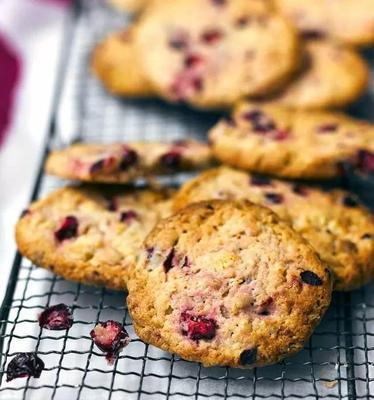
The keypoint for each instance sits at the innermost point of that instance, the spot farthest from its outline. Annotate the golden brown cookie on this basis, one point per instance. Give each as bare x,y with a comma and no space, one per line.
275,140
116,64
122,163
227,283
332,75
351,21
337,226
92,236
210,53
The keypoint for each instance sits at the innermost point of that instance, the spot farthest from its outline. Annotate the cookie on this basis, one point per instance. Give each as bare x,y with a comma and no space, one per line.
90,236
349,21
326,79
227,283
337,226
210,53
121,163
115,63
275,140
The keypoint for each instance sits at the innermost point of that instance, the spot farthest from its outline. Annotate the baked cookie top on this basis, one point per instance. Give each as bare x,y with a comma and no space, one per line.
210,53
116,64
92,236
227,283
338,227
275,140
326,79
125,162
132,6
350,21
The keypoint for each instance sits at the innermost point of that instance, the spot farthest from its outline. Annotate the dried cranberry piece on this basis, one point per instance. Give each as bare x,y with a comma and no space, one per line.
129,158
311,278
112,204
300,190
110,337
327,128
128,216
179,40
149,252
260,180
168,263
197,327
312,34
68,229
242,21
56,318
365,161
349,201
24,365
219,2
171,160
211,36
259,120
97,166
192,60
266,307
248,357
274,198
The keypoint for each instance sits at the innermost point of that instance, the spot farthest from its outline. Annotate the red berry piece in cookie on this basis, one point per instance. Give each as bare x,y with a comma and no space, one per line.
197,327
56,318
24,365
365,161
111,338
68,229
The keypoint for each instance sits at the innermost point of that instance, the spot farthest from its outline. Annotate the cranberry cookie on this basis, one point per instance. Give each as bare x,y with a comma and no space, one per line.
87,235
351,21
121,163
337,226
227,283
326,79
116,65
275,140
210,53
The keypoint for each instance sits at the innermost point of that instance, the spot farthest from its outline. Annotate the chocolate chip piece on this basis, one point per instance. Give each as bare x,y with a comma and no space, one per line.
248,357
300,190
366,236
311,278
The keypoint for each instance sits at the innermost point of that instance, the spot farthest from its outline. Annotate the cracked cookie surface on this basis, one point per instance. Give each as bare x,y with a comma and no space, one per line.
227,283
338,227
90,236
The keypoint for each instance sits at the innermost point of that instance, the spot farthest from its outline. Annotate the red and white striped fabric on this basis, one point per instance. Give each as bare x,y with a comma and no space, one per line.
30,35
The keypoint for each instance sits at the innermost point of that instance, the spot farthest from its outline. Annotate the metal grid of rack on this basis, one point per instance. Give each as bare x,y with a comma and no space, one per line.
337,363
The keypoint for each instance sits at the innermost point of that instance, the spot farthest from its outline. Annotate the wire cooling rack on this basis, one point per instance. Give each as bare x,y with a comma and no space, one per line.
337,362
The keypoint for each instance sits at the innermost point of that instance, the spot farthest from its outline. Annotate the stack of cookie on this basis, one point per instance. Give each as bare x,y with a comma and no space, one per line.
233,268
212,53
